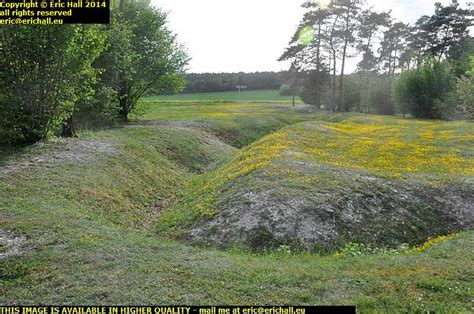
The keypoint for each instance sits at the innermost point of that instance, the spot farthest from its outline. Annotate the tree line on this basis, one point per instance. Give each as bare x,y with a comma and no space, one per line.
53,78
224,82
424,69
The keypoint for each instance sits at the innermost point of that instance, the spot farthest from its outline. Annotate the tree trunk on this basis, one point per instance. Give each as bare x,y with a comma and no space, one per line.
123,100
341,80
318,66
334,83
69,129
122,8
394,68
343,66
362,91
365,81
334,68
122,93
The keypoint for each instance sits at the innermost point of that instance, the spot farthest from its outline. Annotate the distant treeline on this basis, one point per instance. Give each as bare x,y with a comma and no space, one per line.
224,82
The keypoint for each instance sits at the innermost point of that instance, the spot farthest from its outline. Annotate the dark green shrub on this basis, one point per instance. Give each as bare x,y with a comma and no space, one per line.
380,96
352,95
419,91
313,85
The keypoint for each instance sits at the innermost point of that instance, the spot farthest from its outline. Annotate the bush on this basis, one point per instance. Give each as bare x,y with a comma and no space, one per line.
352,94
47,73
313,85
465,97
285,90
97,111
419,91
20,123
460,103
380,96
471,65
365,92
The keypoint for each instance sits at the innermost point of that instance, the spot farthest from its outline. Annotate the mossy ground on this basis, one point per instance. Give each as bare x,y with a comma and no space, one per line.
90,239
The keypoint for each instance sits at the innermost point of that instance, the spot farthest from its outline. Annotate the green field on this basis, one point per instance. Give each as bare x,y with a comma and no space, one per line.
82,216
245,96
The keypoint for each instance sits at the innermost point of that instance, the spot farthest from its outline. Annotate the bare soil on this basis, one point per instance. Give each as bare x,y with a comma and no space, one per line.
74,151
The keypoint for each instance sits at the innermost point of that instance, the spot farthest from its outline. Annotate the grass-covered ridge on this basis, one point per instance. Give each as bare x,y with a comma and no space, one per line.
85,227
395,147
320,184
237,124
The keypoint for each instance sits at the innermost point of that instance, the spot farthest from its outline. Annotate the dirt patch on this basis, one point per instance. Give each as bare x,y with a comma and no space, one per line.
74,151
332,207
155,211
11,244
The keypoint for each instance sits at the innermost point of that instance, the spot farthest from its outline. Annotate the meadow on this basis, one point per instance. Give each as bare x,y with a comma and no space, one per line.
82,216
245,96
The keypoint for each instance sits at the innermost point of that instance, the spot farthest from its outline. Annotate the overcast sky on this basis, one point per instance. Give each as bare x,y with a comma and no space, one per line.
250,35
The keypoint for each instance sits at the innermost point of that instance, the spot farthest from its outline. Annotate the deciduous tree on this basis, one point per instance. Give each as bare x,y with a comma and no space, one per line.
46,72
143,56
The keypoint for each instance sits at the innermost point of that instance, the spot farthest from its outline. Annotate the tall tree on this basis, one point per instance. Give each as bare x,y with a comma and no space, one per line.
447,28
306,50
417,44
334,44
370,25
393,46
350,10
143,55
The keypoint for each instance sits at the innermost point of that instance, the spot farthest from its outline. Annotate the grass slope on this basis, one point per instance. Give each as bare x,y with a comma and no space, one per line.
366,179
237,124
86,229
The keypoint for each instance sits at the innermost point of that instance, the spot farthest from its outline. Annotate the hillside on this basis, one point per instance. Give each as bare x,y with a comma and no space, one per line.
323,184
80,217
168,154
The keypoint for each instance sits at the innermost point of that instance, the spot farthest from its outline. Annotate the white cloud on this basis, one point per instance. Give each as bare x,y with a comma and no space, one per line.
233,35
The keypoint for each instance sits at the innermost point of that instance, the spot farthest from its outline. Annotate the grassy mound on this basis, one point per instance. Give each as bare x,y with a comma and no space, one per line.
125,176
191,146
237,124
70,213
321,185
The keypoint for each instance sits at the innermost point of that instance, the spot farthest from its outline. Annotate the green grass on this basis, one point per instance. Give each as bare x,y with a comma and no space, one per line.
90,240
332,155
245,96
238,124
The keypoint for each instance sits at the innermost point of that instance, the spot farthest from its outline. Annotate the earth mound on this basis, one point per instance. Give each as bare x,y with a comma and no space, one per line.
320,185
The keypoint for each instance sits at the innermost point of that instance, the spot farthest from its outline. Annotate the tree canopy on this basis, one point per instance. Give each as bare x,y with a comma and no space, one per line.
51,75
328,35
